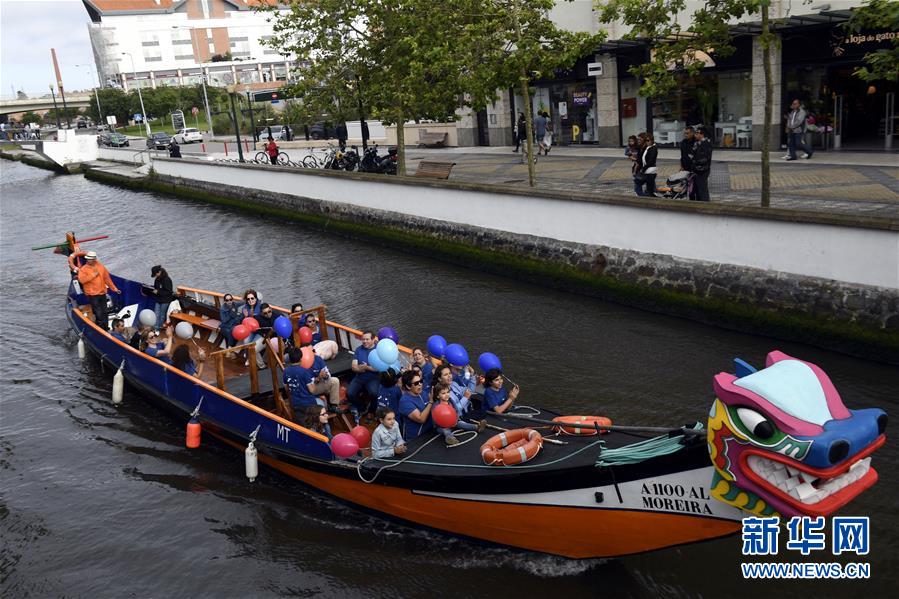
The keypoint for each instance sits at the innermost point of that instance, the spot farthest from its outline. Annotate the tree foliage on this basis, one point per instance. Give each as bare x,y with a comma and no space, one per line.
879,15
30,117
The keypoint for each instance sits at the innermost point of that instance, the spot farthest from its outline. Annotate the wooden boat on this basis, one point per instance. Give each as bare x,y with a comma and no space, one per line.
581,497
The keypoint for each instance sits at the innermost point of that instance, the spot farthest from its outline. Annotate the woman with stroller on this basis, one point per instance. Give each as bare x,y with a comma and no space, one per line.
648,155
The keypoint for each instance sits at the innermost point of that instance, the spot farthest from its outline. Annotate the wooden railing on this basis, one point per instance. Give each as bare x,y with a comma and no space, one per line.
219,357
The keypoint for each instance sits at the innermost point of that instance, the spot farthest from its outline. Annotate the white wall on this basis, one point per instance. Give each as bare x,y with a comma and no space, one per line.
852,255
71,148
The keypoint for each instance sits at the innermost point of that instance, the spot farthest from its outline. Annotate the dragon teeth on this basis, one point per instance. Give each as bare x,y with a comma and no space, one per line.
804,491
807,477
792,471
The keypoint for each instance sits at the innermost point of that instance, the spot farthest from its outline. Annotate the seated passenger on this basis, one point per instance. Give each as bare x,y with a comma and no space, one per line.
161,350
460,395
465,376
229,315
250,305
422,360
181,360
266,320
415,411
441,394
312,323
389,393
299,383
118,329
316,419
323,382
326,349
386,440
137,338
366,376
496,399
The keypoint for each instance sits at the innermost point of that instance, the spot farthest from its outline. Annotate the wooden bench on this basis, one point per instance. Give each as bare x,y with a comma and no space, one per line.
432,169
201,322
426,138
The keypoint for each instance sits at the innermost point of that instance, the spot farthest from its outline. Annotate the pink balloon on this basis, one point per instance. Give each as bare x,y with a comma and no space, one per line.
251,323
444,415
240,332
273,343
344,445
305,335
308,358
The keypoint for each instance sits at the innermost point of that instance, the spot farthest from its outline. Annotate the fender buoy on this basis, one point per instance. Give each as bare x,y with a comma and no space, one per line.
251,463
512,447
193,433
576,430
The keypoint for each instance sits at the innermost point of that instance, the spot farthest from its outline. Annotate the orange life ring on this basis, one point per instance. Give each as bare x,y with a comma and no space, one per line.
576,430
512,447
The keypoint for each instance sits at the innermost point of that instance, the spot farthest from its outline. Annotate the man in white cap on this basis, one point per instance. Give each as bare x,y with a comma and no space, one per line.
95,281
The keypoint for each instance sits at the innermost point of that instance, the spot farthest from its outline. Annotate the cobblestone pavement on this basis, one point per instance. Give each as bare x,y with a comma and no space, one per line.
831,188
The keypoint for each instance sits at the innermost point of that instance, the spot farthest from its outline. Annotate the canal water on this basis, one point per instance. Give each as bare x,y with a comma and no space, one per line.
105,501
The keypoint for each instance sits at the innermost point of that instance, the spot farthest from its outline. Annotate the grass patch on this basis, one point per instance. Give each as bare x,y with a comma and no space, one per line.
788,324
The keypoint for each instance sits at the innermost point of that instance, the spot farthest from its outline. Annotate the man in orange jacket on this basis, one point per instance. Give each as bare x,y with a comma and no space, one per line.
95,280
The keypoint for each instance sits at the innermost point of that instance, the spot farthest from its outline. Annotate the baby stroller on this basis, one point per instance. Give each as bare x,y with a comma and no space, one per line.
678,186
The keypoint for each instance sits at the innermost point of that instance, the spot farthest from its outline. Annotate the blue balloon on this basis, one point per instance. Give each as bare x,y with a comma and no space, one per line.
437,346
456,354
397,366
375,361
488,360
388,333
283,327
388,351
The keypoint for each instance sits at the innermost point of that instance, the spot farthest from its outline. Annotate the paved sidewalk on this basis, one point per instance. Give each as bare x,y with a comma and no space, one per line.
833,182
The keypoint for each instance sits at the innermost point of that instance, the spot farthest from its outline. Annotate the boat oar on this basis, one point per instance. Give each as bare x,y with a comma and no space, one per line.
56,245
660,430
505,430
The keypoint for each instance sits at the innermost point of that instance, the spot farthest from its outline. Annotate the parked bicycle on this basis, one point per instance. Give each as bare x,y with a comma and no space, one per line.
263,158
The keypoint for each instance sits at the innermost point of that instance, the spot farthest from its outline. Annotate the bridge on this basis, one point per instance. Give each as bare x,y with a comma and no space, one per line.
78,100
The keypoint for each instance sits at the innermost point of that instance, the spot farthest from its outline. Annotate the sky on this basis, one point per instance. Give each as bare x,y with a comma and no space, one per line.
28,29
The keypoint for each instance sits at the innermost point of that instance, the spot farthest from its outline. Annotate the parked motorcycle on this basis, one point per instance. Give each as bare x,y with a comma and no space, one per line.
373,163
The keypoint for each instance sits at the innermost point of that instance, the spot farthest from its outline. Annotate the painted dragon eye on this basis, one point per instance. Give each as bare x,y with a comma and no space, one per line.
760,426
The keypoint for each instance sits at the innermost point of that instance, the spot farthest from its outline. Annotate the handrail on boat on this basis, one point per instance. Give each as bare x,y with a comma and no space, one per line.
219,357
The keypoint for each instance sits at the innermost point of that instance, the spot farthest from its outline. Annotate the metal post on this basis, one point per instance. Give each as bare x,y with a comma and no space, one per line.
139,95
206,101
55,109
236,126
252,122
96,91
362,127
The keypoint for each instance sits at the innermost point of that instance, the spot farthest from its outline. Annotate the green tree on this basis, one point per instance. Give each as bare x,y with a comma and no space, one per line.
30,117
881,15
681,51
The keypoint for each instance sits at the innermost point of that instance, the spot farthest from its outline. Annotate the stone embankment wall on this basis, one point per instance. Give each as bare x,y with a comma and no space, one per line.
827,280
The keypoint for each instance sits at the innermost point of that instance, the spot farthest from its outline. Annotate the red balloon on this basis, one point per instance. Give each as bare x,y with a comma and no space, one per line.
305,335
361,435
344,445
308,357
444,415
240,332
251,323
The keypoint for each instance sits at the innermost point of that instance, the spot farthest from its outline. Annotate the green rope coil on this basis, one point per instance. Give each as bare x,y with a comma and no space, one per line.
644,450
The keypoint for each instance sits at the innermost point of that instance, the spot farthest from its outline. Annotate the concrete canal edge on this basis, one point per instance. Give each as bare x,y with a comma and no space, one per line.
33,160
861,320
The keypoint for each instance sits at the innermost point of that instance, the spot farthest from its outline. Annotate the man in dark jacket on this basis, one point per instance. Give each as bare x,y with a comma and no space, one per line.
702,164
686,155
520,131
163,293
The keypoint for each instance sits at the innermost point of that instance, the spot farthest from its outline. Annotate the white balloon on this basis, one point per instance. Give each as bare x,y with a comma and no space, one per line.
184,330
147,317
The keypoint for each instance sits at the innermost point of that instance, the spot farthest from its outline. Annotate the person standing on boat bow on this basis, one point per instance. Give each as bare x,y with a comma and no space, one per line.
95,281
162,292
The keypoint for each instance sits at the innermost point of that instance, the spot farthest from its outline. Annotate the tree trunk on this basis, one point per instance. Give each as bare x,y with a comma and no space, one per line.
765,41
526,96
400,146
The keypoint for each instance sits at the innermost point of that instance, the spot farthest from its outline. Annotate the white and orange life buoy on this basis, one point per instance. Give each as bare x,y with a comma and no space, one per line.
577,430
512,447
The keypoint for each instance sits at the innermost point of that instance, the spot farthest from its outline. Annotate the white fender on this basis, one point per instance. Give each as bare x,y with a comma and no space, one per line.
118,385
252,464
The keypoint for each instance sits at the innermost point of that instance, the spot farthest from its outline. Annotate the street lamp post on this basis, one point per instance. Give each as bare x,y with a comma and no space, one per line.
55,108
96,90
196,52
139,95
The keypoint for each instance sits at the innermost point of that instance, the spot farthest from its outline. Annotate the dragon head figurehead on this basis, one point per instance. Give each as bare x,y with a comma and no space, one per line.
782,442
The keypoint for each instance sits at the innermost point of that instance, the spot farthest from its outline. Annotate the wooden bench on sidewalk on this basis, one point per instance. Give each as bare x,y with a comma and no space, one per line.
427,138
432,169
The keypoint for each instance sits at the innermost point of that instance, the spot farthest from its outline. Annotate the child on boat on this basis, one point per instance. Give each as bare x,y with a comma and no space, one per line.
317,420
496,398
386,441
441,395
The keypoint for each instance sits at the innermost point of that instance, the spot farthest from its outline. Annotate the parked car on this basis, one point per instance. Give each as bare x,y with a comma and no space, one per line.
160,141
278,133
188,136
112,139
321,131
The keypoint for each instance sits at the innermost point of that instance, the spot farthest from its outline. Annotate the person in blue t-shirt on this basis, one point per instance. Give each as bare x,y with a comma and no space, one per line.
366,376
182,361
389,393
465,377
118,329
161,350
496,399
312,324
415,411
420,359
300,383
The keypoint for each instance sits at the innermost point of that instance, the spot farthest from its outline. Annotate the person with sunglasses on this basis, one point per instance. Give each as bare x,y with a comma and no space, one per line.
414,410
161,350
229,315
250,305
312,323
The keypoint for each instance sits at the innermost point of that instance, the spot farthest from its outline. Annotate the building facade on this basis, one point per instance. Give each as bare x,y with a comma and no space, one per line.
177,42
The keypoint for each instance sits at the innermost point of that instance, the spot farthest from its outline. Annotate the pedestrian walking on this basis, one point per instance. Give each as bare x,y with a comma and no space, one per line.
548,137
648,155
539,130
342,136
633,153
520,131
702,164
796,124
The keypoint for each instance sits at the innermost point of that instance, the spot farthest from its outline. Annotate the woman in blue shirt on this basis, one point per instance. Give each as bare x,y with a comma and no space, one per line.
496,399
161,350
181,360
416,412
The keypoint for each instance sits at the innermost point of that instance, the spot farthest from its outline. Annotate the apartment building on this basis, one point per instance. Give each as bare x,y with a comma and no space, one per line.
148,43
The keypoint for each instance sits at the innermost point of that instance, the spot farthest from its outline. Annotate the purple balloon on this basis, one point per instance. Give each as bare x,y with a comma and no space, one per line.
436,346
388,333
456,354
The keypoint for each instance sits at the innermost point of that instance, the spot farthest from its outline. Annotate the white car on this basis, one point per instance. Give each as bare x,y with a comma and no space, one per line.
186,136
